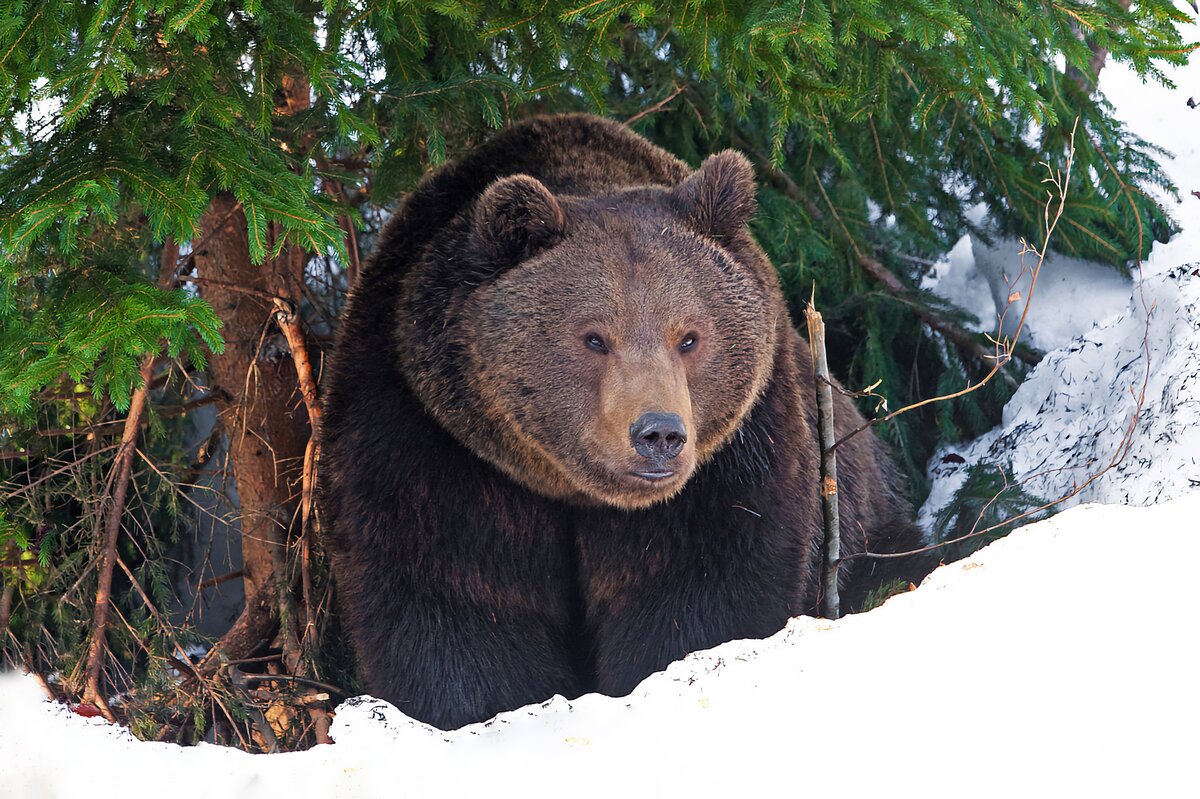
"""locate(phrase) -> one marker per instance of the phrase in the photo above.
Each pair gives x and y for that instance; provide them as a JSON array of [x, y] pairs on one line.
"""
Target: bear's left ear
[[516, 217], [718, 198]]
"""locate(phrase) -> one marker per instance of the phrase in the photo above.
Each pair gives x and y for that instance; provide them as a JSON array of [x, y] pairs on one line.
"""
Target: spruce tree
[[187, 188]]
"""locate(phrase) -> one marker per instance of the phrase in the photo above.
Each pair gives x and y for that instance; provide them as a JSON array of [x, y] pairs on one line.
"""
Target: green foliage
[[98, 324], [985, 500], [882, 594]]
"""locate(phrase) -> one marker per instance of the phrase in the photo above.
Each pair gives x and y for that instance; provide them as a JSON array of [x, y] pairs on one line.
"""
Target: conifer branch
[[882, 275], [1056, 203]]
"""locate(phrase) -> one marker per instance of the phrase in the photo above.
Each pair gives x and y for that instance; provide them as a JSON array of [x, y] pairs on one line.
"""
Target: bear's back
[[574, 154]]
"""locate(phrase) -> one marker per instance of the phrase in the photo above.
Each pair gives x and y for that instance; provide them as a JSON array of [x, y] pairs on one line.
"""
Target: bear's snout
[[658, 436]]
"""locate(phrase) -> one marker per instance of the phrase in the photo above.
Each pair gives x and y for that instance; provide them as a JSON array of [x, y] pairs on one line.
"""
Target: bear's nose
[[658, 435]]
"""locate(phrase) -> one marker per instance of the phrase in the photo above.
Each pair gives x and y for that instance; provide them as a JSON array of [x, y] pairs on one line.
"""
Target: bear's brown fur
[[569, 429]]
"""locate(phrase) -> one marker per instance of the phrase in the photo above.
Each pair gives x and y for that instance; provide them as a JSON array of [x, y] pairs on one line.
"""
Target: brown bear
[[569, 429]]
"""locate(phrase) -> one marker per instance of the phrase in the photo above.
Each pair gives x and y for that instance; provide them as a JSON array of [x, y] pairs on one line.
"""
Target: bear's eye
[[689, 343], [595, 343]]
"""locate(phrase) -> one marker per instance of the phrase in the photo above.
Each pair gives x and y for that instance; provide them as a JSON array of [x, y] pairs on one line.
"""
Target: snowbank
[[1070, 417], [1072, 296], [1056, 661]]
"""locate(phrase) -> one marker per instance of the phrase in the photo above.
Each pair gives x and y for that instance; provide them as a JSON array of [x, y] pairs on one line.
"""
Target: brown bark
[[123, 467], [6, 599], [267, 426], [271, 415], [1087, 81], [253, 629]]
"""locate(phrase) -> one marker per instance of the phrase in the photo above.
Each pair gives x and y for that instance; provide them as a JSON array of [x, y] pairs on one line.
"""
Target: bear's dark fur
[[503, 523]]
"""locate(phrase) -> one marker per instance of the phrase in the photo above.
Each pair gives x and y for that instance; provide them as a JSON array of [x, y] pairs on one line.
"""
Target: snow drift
[[1039, 666], [1071, 418]]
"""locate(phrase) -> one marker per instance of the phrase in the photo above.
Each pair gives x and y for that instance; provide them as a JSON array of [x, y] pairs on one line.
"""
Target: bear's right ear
[[515, 218]]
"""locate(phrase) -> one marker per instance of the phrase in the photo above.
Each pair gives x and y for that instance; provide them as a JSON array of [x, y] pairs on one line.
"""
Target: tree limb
[[957, 335]]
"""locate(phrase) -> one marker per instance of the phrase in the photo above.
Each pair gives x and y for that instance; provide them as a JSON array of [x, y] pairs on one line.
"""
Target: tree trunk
[[262, 412]]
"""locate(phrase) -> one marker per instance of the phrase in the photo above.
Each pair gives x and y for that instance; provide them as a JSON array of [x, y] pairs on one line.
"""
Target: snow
[[1070, 418], [1072, 295], [1059, 660], [1038, 666]]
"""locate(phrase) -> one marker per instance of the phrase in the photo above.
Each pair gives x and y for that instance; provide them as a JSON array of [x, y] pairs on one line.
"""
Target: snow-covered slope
[[1059, 661], [1070, 418]]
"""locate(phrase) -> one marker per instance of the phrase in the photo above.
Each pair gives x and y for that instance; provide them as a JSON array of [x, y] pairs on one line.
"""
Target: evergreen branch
[[1004, 350], [181, 21], [16, 42], [71, 113]]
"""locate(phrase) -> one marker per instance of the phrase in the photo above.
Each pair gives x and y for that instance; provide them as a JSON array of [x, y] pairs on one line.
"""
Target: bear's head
[[608, 345]]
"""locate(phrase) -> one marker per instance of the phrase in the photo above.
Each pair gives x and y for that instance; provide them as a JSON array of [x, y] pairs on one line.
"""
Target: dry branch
[[654, 109], [1139, 395], [831, 602], [1004, 349]]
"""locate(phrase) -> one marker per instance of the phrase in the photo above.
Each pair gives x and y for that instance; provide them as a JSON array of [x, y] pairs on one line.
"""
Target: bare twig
[[215, 581], [104, 428], [335, 190], [1004, 348], [1126, 440], [653, 109], [324, 686]]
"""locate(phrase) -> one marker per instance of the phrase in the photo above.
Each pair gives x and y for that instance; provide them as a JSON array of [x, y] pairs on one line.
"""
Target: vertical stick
[[830, 603]]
